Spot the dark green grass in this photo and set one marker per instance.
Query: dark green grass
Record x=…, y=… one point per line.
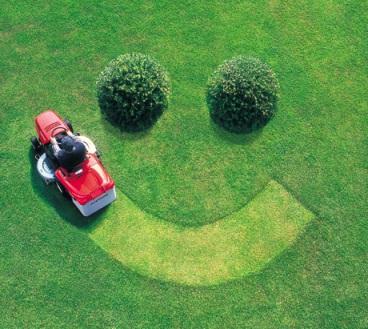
x=52, y=275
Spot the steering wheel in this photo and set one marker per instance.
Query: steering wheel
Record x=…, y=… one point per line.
x=63, y=129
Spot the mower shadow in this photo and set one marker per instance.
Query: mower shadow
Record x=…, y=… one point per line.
x=64, y=207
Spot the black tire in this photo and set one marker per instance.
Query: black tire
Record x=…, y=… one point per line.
x=62, y=190
x=36, y=146
x=35, y=143
x=69, y=124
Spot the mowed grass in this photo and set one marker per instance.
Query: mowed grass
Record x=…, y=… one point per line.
x=185, y=170
x=242, y=243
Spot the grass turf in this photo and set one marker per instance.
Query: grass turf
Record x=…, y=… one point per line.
x=239, y=244
x=184, y=169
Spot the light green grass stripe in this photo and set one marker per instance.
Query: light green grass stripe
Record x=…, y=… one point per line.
x=232, y=247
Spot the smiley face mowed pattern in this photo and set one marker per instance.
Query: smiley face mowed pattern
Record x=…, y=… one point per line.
x=209, y=230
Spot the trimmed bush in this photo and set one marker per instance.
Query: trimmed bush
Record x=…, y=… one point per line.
x=242, y=94
x=133, y=91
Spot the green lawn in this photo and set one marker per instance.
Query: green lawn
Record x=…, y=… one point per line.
x=186, y=177
x=234, y=246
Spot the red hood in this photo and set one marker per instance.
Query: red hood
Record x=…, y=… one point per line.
x=88, y=182
x=48, y=124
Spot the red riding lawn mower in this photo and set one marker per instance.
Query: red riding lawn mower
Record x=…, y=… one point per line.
x=86, y=181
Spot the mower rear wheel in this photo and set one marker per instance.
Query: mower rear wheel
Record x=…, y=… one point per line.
x=62, y=190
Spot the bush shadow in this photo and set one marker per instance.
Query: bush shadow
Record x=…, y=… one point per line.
x=235, y=138
x=63, y=206
x=119, y=132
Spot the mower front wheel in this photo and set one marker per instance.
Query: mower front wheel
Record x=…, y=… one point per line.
x=69, y=124
x=36, y=145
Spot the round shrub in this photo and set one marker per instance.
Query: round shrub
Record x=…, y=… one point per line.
x=133, y=91
x=242, y=94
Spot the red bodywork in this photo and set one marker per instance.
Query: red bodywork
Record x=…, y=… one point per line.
x=49, y=124
x=88, y=180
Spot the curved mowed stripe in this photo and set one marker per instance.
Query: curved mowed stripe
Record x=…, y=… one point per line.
x=242, y=243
